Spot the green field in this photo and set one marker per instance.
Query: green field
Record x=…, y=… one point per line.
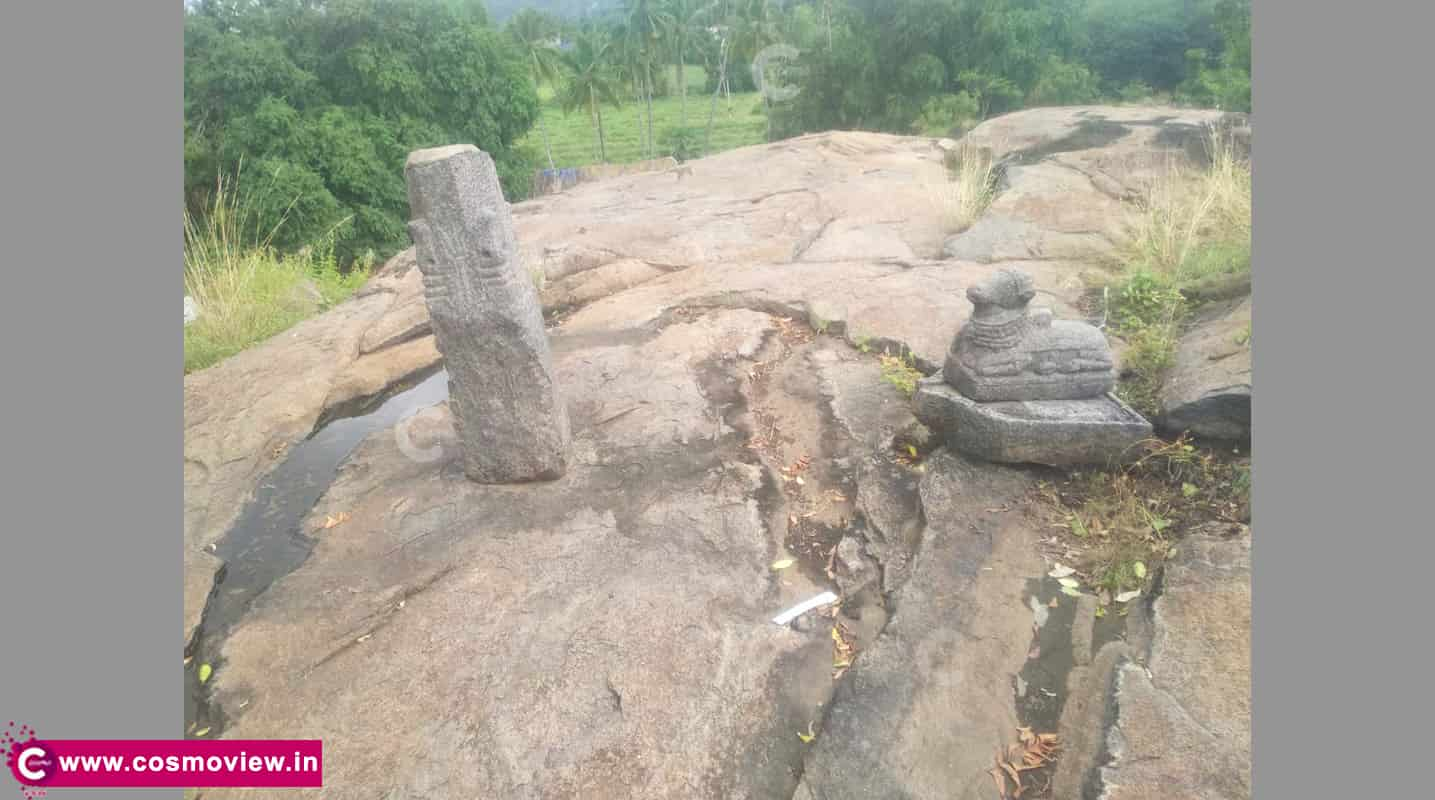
x=738, y=122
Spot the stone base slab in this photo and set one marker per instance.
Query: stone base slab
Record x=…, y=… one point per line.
x=1053, y=432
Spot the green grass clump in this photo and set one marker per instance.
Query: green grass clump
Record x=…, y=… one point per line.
x=245, y=290
x=1191, y=231
x=1147, y=312
x=900, y=372
x=1193, y=223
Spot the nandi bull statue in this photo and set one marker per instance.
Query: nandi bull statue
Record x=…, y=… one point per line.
x=1009, y=352
x=1021, y=387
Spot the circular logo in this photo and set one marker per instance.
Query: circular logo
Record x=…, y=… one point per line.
x=421, y=455
x=33, y=763
x=774, y=55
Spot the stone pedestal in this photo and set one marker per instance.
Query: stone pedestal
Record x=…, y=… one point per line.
x=1058, y=433
x=487, y=320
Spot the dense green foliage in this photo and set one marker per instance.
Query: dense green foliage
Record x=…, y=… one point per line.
x=939, y=65
x=322, y=101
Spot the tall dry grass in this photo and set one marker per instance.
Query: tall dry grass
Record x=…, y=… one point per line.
x=968, y=188
x=1194, y=222
x=244, y=290
x=1191, y=228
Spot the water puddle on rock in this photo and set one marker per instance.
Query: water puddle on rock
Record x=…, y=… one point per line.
x=267, y=542
x=1053, y=654
x=1064, y=638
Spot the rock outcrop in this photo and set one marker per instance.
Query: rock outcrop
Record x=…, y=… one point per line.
x=1065, y=172
x=739, y=231
x=1171, y=718
x=241, y=415
x=918, y=719
x=609, y=633
x=1208, y=388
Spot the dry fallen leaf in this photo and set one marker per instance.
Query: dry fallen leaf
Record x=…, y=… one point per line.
x=807, y=737
x=1032, y=752
x=843, y=651
x=999, y=779
x=334, y=520
x=1015, y=777
x=782, y=563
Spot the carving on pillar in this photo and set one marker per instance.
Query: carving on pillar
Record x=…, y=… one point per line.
x=487, y=319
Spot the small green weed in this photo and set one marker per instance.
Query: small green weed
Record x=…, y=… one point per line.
x=1147, y=313
x=900, y=372
x=1124, y=520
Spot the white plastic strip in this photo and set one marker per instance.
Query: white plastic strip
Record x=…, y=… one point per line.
x=804, y=607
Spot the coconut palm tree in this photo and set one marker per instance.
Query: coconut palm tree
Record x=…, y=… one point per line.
x=754, y=26
x=721, y=14
x=683, y=19
x=627, y=57
x=645, y=20
x=590, y=81
x=534, y=32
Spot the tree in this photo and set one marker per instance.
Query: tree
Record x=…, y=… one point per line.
x=627, y=57
x=724, y=47
x=1223, y=79
x=644, y=22
x=590, y=81
x=534, y=32
x=323, y=100
x=754, y=26
x=1138, y=40
x=683, y=19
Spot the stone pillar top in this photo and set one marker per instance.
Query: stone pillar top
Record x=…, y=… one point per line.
x=432, y=154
